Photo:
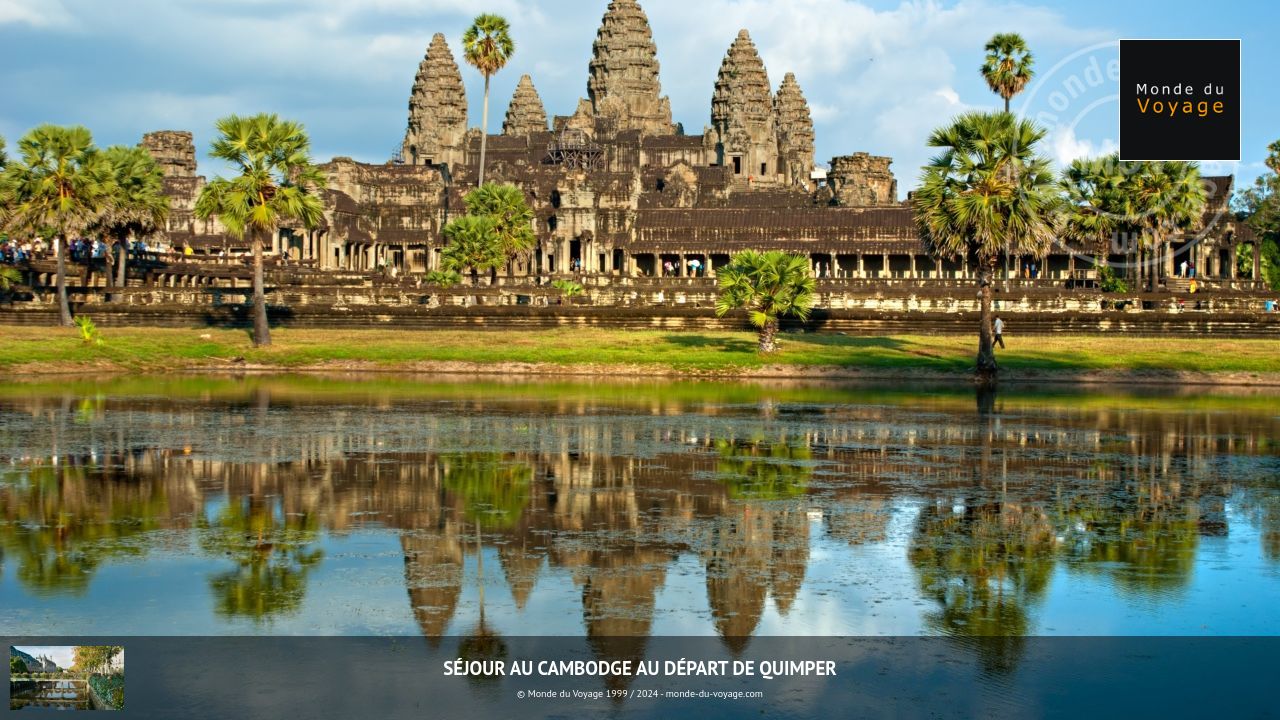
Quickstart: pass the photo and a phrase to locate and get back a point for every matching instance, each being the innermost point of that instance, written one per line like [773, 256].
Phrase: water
[49, 695]
[314, 506]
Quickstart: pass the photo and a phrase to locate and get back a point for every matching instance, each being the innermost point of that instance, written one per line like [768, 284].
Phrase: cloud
[878, 80]
[37, 13]
[1067, 147]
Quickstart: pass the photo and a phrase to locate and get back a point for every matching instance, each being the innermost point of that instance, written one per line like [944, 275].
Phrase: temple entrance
[619, 262]
[737, 164]
[575, 256]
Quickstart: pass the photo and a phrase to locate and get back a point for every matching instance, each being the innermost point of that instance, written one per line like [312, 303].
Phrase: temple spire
[525, 114]
[437, 110]
[795, 132]
[743, 124]
[623, 83]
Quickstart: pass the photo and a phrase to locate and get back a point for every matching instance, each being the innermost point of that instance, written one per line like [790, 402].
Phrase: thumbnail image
[66, 677]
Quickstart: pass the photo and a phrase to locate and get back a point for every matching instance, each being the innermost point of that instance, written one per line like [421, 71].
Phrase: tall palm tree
[987, 193]
[277, 183]
[60, 184]
[138, 204]
[769, 286]
[487, 46]
[1008, 66]
[1169, 196]
[473, 244]
[513, 220]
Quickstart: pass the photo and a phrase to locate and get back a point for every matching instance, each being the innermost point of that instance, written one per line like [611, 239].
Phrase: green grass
[155, 349]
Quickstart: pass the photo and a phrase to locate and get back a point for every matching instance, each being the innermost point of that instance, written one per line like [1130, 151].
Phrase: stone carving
[743, 132]
[795, 133]
[174, 151]
[862, 180]
[623, 83]
[437, 110]
[525, 114]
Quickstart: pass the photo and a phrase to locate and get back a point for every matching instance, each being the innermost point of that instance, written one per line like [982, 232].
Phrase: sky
[879, 76]
[62, 655]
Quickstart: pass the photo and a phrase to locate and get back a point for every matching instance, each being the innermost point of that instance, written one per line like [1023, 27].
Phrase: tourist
[1183, 269]
[999, 328]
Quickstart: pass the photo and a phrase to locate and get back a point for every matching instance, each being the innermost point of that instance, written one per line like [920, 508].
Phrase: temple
[621, 191]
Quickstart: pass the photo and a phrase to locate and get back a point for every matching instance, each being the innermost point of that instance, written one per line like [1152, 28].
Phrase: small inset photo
[66, 677]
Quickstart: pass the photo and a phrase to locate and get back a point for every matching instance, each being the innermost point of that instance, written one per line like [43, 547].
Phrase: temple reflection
[615, 494]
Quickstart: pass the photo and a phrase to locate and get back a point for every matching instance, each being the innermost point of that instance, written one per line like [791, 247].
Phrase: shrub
[569, 288]
[89, 332]
[1110, 282]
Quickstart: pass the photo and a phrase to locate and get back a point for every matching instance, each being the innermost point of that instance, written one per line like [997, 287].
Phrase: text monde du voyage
[1180, 99]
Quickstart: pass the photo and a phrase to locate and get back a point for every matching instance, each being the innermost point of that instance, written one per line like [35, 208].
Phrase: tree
[1008, 67]
[770, 286]
[1167, 197]
[1259, 206]
[1099, 203]
[473, 245]
[16, 666]
[4, 159]
[487, 47]
[986, 194]
[513, 220]
[138, 205]
[277, 183]
[60, 184]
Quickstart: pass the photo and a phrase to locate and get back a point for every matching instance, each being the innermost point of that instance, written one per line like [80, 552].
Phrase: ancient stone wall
[525, 114]
[862, 180]
[744, 133]
[623, 84]
[437, 110]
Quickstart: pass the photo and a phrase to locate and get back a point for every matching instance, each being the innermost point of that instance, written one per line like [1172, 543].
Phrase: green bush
[569, 288]
[89, 332]
[1110, 282]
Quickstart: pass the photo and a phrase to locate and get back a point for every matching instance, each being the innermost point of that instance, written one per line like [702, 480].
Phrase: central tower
[623, 83]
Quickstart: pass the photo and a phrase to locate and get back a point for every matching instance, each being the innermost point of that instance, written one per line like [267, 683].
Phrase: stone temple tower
[795, 133]
[744, 133]
[437, 110]
[526, 113]
[623, 83]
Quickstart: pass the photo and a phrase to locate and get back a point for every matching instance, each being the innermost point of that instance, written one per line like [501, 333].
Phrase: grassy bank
[39, 350]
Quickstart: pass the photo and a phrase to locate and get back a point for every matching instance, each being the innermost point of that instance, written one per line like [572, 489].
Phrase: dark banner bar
[774, 677]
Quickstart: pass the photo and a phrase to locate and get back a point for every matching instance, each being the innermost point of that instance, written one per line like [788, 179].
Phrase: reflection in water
[620, 513]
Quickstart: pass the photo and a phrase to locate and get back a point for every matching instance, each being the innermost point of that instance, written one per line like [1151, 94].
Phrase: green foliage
[9, 276]
[4, 158]
[988, 192]
[474, 244]
[61, 181]
[443, 278]
[494, 491]
[1108, 281]
[769, 285]
[513, 220]
[138, 204]
[487, 45]
[16, 666]
[1008, 66]
[1260, 207]
[568, 287]
[277, 180]
[89, 333]
[110, 688]
[760, 470]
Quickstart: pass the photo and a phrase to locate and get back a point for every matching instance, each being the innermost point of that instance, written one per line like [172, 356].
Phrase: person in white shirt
[999, 328]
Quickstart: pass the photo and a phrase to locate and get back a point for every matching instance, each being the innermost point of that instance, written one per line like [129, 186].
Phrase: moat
[305, 506]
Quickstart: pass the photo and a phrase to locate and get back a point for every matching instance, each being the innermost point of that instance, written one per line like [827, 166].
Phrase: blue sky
[62, 655]
[879, 75]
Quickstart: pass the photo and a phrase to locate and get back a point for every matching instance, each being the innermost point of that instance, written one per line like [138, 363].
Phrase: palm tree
[1008, 67]
[277, 183]
[770, 286]
[1096, 207]
[473, 244]
[138, 205]
[513, 220]
[1169, 196]
[487, 46]
[60, 185]
[986, 194]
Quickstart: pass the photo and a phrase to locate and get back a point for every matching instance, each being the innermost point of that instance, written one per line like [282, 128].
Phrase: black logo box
[1188, 65]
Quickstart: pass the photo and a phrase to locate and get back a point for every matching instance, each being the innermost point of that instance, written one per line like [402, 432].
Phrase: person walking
[999, 328]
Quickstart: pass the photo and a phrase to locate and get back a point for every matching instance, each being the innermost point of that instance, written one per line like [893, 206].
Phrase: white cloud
[1067, 147]
[37, 13]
